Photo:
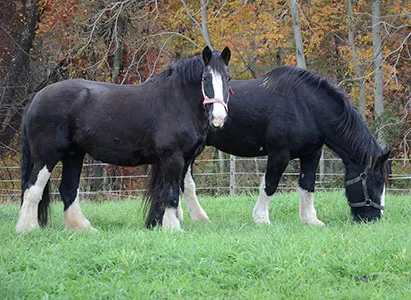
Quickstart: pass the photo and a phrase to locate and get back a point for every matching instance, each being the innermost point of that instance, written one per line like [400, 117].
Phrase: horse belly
[117, 149]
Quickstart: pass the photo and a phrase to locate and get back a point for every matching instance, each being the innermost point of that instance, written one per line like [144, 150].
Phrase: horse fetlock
[28, 220]
[74, 218]
[199, 214]
[261, 217]
[170, 220]
[24, 226]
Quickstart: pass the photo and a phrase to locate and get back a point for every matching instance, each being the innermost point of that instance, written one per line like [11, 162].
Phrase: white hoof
[170, 220]
[199, 215]
[261, 217]
[314, 222]
[23, 228]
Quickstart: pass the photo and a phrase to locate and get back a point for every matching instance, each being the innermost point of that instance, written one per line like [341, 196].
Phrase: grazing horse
[163, 122]
[291, 113]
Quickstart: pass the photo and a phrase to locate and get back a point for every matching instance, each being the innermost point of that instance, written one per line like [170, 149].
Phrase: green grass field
[228, 258]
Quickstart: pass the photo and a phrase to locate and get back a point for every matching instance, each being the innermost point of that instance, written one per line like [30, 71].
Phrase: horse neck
[351, 139]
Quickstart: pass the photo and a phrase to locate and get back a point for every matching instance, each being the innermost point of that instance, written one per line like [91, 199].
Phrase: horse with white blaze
[162, 122]
[291, 113]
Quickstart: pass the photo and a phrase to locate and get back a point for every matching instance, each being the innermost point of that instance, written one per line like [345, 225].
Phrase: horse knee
[270, 189]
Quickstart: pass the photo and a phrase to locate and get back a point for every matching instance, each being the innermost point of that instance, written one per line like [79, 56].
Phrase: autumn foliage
[127, 41]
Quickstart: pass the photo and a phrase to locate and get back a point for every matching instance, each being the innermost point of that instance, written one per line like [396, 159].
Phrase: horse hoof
[262, 222]
[26, 228]
[315, 222]
[200, 215]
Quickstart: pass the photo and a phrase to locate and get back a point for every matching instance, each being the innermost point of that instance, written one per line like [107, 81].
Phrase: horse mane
[349, 125]
[185, 71]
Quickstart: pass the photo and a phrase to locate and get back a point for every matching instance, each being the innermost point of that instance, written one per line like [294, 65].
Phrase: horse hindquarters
[35, 196]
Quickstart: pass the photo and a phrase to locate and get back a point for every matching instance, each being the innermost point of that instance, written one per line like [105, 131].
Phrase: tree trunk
[377, 57]
[17, 83]
[357, 69]
[204, 24]
[299, 46]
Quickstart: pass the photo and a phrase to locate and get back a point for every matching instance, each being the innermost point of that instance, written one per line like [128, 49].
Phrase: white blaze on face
[219, 112]
[383, 200]
[28, 219]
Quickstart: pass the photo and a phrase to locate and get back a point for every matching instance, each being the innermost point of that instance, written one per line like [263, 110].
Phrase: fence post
[322, 166]
[233, 183]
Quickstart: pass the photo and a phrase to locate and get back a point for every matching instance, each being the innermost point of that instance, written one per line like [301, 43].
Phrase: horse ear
[383, 158]
[207, 55]
[226, 55]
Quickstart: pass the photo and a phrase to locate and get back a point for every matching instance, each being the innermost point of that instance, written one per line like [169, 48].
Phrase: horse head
[370, 183]
[216, 85]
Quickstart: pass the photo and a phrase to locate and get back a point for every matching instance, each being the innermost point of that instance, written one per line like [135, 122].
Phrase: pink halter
[212, 100]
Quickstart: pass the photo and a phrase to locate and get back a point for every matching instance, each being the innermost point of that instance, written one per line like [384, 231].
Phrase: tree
[357, 69]
[17, 83]
[378, 63]
[297, 34]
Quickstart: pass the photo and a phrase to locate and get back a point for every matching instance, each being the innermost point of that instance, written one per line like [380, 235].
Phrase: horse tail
[44, 206]
[152, 200]
[26, 164]
[26, 170]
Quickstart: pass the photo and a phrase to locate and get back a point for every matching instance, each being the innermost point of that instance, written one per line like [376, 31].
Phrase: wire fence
[213, 176]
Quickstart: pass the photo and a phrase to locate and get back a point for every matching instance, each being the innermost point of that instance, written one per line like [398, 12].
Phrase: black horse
[290, 113]
[163, 122]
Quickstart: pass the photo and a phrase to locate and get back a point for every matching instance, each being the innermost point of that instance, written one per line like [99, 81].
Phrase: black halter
[367, 201]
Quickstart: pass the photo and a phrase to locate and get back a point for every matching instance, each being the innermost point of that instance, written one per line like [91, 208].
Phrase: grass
[228, 258]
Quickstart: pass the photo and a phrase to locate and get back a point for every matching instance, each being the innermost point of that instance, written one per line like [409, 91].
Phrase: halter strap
[208, 100]
[367, 201]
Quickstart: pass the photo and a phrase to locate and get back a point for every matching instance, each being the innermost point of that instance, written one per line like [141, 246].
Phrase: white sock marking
[260, 211]
[308, 214]
[74, 218]
[197, 213]
[180, 214]
[28, 217]
[170, 220]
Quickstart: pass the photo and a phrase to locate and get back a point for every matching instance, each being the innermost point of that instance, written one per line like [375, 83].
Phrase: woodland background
[363, 46]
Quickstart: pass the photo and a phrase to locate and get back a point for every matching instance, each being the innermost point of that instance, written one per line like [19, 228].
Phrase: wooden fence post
[233, 183]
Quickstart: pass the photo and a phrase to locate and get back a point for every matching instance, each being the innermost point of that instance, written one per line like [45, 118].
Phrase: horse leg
[276, 164]
[197, 213]
[260, 211]
[74, 218]
[308, 214]
[32, 195]
[164, 192]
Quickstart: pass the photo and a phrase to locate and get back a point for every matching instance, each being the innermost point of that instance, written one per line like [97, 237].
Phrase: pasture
[227, 258]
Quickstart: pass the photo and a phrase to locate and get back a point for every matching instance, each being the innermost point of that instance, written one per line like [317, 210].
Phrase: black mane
[186, 71]
[350, 125]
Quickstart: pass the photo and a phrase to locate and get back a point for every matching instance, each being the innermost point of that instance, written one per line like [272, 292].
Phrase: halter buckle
[363, 176]
[368, 202]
